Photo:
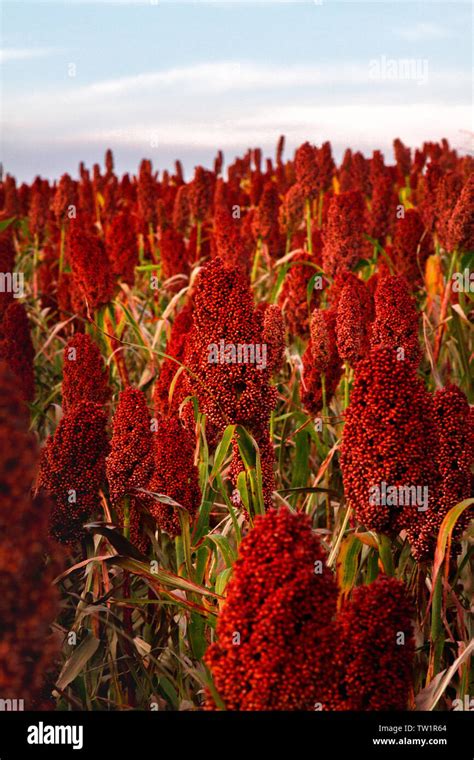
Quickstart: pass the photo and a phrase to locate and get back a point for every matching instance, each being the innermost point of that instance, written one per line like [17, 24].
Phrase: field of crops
[237, 441]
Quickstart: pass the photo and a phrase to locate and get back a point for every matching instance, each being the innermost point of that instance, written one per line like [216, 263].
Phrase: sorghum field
[237, 442]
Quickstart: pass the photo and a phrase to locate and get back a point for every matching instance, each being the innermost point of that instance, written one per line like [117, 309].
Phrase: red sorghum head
[292, 210]
[344, 242]
[383, 207]
[85, 194]
[200, 194]
[218, 163]
[28, 598]
[85, 377]
[374, 652]
[73, 469]
[447, 194]
[175, 350]
[308, 170]
[174, 259]
[146, 195]
[426, 192]
[7, 264]
[322, 365]
[355, 312]
[175, 475]
[360, 173]
[11, 201]
[377, 167]
[402, 157]
[455, 456]
[130, 464]
[272, 650]
[461, 224]
[389, 428]
[266, 220]
[280, 149]
[273, 335]
[231, 388]
[64, 198]
[293, 298]
[122, 247]
[228, 242]
[16, 347]
[396, 319]
[109, 161]
[91, 270]
[39, 206]
[326, 166]
[181, 210]
[411, 246]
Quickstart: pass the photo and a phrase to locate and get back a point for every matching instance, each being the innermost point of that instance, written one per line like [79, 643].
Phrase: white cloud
[225, 104]
[23, 54]
[208, 94]
[366, 125]
[220, 77]
[423, 31]
[225, 76]
[216, 78]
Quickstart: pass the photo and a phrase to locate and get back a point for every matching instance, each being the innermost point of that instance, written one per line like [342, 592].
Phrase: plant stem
[320, 209]
[347, 370]
[309, 238]
[61, 250]
[198, 239]
[126, 517]
[256, 261]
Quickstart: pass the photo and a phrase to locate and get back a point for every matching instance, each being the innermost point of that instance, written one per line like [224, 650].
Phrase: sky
[165, 79]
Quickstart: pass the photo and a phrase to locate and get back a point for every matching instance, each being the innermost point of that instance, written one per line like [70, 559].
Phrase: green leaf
[197, 635]
[186, 541]
[243, 490]
[222, 580]
[467, 261]
[224, 547]
[247, 447]
[437, 637]
[348, 563]
[169, 691]
[279, 282]
[203, 520]
[6, 223]
[372, 566]
[361, 264]
[385, 551]
[202, 556]
[230, 507]
[222, 449]
[250, 455]
[301, 460]
[445, 533]
[132, 322]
